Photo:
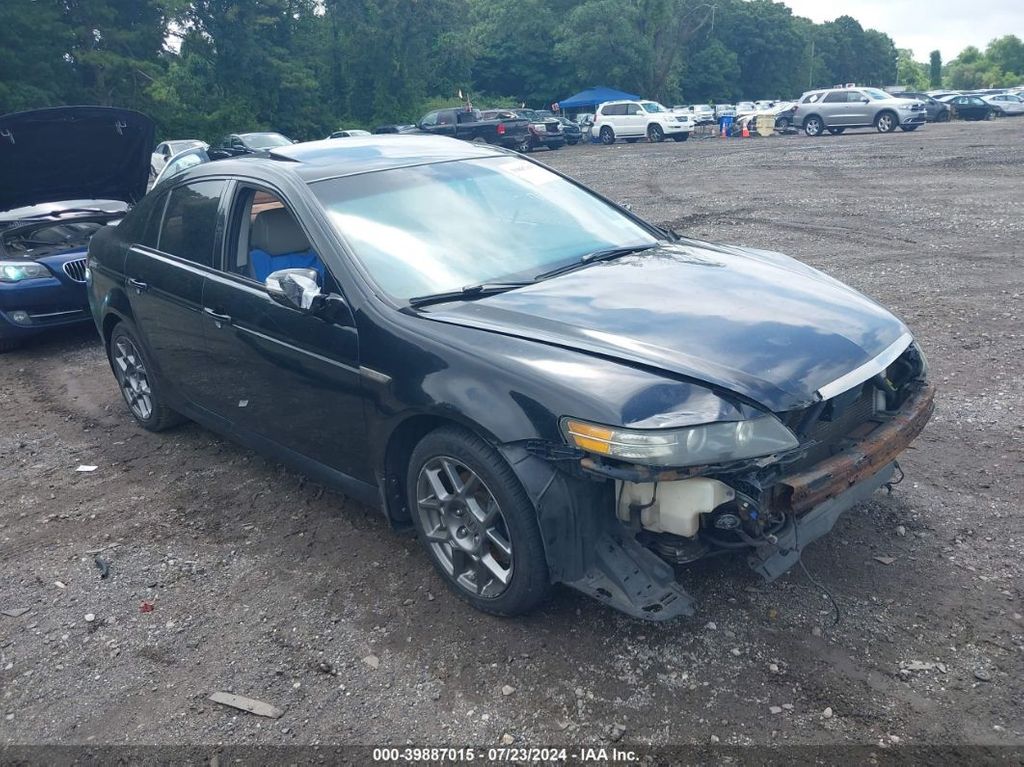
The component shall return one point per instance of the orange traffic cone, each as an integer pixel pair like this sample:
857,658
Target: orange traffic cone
746,131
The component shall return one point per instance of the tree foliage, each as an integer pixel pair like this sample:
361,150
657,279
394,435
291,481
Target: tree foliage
304,67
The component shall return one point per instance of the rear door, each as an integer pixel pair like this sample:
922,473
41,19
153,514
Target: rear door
635,120
834,109
282,377
164,275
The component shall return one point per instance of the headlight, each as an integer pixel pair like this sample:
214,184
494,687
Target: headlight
16,271
693,446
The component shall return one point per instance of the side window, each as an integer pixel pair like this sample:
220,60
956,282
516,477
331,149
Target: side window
266,237
150,223
615,110
189,230
633,109
835,97
430,119
446,117
812,99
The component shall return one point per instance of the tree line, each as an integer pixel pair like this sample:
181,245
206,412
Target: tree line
304,67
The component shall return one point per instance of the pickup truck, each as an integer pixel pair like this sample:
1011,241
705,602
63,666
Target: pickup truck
469,125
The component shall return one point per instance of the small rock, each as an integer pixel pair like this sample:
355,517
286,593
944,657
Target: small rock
430,597
60,584
563,725
507,740
507,690
715,739
90,617
711,626
885,560
407,602
827,713
775,709
816,631
901,531
787,706
616,731
372,661
773,667
580,693
982,675
736,651
324,667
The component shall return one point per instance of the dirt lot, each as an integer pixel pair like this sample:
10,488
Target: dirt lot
265,585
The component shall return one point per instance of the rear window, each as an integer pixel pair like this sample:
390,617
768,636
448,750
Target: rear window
189,230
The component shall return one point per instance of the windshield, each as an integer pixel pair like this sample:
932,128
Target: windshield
441,227
264,140
875,94
652,106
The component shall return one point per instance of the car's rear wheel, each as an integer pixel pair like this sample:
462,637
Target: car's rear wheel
477,523
607,135
886,122
813,126
655,134
836,131
137,381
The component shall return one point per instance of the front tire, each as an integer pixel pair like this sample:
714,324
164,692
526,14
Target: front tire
886,122
477,523
137,381
813,126
607,136
655,134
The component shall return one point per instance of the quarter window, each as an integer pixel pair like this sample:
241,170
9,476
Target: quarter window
189,230
633,109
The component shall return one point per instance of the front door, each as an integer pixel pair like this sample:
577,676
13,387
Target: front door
284,377
164,280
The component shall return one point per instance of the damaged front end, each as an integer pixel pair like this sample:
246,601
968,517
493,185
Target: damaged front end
769,508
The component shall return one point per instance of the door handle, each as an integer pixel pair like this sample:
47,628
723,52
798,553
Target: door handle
140,286
220,319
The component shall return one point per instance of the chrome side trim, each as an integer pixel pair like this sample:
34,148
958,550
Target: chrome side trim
867,370
374,375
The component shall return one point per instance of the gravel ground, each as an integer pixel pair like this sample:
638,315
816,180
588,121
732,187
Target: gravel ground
266,585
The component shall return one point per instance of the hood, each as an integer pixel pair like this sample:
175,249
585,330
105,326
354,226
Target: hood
756,323
64,153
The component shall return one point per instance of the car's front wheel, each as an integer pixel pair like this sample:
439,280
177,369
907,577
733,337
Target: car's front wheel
477,523
886,122
655,134
813,126
607,135
137,381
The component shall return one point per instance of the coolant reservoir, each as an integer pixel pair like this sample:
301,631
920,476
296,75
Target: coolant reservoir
677,505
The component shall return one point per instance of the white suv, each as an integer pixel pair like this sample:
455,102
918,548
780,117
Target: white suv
634,120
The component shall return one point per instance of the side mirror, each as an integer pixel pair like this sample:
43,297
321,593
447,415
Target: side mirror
297,288
865,100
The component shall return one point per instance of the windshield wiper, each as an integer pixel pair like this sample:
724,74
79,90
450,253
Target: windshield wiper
468,293
64,211
605,254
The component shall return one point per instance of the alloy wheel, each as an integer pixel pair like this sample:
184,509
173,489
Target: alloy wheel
655,134
886,123
464,527
132,378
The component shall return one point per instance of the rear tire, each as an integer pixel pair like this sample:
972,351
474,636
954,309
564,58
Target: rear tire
136,378
813,126
607,136
476,522
886,122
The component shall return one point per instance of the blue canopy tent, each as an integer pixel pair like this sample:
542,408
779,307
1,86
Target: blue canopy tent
591,97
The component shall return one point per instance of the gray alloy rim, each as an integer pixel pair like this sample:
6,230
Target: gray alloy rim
132,378
464,527
885,123
813,127
656,134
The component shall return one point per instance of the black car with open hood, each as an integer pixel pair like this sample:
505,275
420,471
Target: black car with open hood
67,172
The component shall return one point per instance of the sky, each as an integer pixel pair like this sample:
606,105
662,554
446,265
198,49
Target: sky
949,25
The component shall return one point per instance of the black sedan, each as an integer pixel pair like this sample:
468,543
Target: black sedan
237,144
971,108
542,385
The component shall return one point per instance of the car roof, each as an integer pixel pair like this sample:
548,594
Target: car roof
319,160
